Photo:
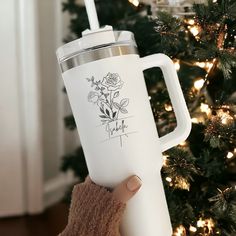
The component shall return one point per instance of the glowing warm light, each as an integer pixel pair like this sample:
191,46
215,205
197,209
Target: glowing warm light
200,64
165,160
177,65
198,84
205,108
230,155
224,121
168,179
180,231
149,97
168,107
235,150
195,120
208,223
184,143
194,30
191,22
225,106
226,118
192,228
205,65
208,66
134,2
182,183
200,223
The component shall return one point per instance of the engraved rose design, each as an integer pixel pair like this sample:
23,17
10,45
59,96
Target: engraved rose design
112,81
106,94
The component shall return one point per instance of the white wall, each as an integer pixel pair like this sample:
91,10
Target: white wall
57,141
53,27
32,107
11,161
50,89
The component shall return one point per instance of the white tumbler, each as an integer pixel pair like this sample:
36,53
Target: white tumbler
103,76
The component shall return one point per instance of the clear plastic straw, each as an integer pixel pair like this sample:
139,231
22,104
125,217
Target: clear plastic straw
92,14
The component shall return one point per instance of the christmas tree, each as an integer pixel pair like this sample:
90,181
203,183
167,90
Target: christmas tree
199,173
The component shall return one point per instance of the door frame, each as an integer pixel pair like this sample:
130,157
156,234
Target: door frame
29,88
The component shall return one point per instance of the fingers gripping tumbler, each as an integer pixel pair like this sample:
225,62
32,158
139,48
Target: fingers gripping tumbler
103,76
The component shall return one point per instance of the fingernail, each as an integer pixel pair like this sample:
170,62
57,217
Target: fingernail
134,183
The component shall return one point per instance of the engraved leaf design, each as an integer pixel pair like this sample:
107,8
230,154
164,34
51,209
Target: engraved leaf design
123,110
107,112
116,94
114,114
124,102
103,96
107,109
101,110
116,105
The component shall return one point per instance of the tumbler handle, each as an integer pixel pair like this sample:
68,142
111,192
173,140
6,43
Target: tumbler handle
183,119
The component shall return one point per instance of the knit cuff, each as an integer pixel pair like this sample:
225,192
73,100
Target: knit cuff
93,212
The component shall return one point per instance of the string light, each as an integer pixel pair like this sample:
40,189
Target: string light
168,107
200,223
177,64
205,65
195,120
209,65
165,160
184,143
198,84
208,223
226,118
230,155
194,30
205,108
168,179
182,183
191,21
192,229
134,2
200,64
225,107
180,231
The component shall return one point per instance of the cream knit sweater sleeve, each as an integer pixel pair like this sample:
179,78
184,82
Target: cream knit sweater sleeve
93,212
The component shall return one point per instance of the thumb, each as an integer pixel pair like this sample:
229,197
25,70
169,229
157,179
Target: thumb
127,189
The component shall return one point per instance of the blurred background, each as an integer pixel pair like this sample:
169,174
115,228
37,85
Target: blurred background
33,106
40,153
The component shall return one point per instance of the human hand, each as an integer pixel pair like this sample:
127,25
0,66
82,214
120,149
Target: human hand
95,211
127,189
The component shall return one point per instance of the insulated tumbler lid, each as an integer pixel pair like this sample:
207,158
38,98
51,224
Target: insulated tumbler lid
92,40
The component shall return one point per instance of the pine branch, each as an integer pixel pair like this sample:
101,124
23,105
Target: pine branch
76,162
69,122
202,166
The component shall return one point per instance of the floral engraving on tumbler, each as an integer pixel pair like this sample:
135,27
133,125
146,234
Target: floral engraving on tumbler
105,95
